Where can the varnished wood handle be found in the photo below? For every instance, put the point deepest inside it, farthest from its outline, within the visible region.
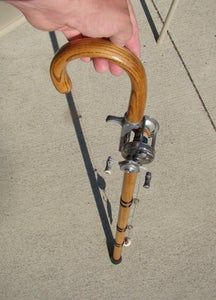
(89, 47)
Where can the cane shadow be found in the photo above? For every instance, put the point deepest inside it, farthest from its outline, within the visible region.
(94, 180)
(102, 186)
(150, 19)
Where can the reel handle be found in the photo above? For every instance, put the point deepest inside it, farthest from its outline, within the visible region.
(93, 48)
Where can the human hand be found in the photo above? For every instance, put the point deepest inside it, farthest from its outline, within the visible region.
(112, 19)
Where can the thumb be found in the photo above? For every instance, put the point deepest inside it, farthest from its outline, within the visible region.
(121, 37)
(70, 33)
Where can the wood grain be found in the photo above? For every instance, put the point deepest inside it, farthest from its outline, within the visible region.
(89, 47)
(128, 186)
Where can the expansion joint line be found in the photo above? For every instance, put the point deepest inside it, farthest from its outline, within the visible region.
(186, 69)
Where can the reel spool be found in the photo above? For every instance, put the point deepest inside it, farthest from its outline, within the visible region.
(142, 149)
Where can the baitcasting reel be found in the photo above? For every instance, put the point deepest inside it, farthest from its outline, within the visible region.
(137, 143)
(142, 148)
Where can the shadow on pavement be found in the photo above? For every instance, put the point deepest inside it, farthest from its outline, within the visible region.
(150, 20)
(93, 177)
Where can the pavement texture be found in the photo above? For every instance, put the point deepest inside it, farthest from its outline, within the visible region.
(58, 210)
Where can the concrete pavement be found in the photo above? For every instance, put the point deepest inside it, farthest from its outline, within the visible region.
(57, 211)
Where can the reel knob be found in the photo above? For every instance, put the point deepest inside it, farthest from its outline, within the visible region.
(127, 242)
(108, 167)
(147, 182)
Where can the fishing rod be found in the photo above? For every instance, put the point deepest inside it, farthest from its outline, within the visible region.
(138, 132)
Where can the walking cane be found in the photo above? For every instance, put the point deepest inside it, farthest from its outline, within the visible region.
(138, 133)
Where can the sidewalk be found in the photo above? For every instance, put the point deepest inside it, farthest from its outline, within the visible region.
(55, 215)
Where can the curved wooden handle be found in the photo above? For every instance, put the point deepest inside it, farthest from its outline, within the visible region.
(89, 47)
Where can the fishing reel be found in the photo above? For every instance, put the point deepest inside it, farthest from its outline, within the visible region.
(137, 143)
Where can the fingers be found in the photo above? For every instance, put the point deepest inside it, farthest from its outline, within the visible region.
(119, 39)
(70, 33)
(130, 36)
(101, 65)
(129, 39)
(134, 42)
(86, 59)
(127, 36)
(115, 69)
